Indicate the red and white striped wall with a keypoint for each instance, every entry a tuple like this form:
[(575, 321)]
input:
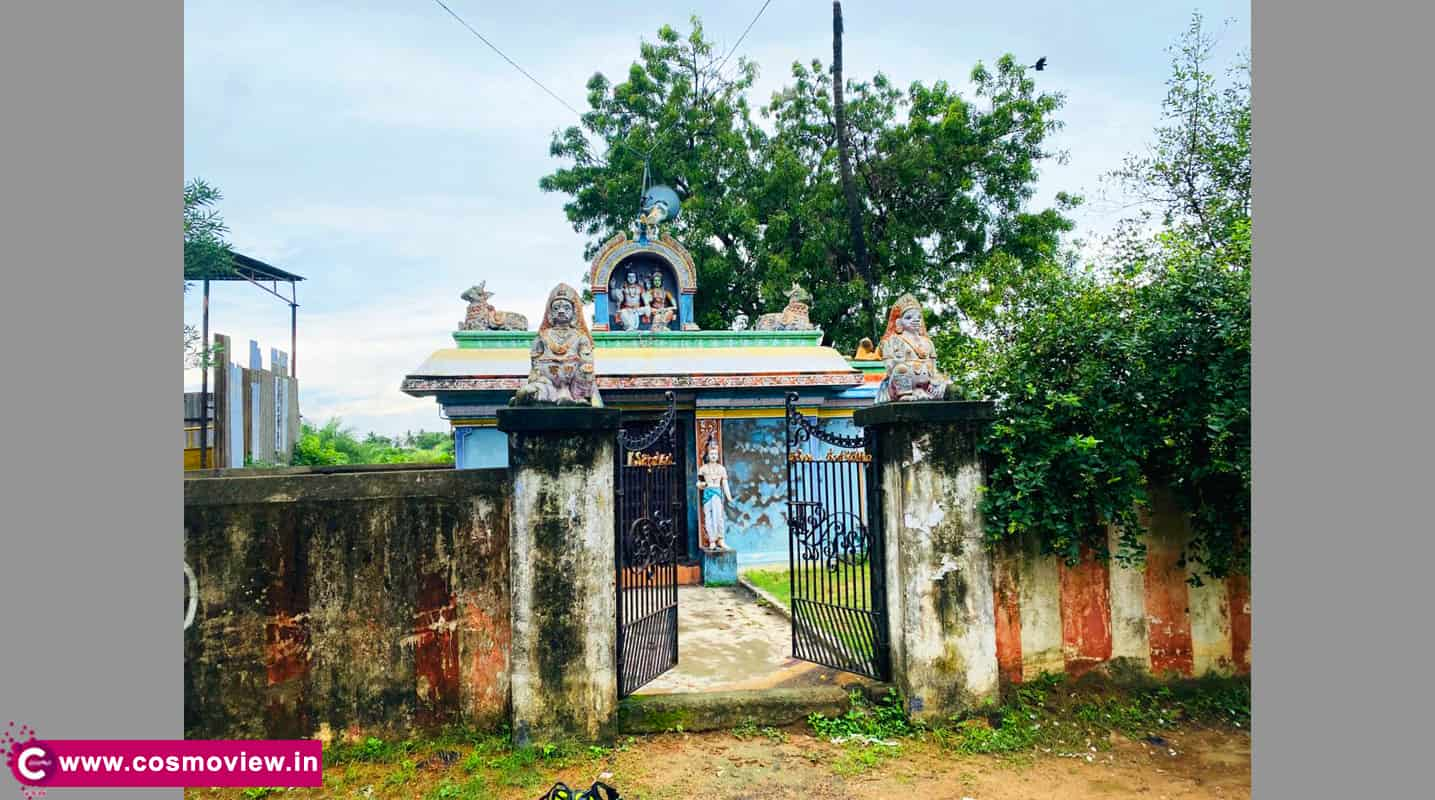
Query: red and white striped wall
[(1054, 618)]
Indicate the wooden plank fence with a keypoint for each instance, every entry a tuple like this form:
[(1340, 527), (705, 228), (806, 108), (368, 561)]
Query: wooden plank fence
[(256, 410)]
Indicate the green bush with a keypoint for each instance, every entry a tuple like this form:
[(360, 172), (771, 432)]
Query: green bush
[(333, 444)]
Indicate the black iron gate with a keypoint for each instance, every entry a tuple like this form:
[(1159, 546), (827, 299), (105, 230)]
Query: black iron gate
[(650, 527), (835, 549)]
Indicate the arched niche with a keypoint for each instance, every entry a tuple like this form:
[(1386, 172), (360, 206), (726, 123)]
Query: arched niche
[(642, 295), (661, 256)]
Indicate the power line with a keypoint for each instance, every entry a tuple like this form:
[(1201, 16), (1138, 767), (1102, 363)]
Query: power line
[(495, 49), (743, 36)]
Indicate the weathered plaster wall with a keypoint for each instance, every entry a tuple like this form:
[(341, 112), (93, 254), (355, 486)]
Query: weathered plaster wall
[(755, 454), (563, 585), (941, 590), (1127, 621), (334, 604)]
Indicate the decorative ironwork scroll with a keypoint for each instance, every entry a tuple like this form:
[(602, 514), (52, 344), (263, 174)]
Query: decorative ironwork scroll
[(836, 552), (650, 526)]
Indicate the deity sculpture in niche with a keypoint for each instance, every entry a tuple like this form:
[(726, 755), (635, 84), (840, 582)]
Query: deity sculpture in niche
[(910, 356), (630, 303), (640, 297), (715, 494), (662, 308), (484, 317), (793, 317), (562, 356)]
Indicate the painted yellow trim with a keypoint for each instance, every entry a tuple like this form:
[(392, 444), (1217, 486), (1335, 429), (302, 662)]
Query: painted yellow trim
[(651, 407), (476, 422), (770, 413)]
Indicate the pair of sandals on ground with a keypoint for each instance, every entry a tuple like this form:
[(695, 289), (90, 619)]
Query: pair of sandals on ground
[(598, 791)]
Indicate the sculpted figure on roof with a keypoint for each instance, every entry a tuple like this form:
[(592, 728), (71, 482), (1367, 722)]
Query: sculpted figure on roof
[(482, 316), (910, 356), (562, 356), (793, 317)]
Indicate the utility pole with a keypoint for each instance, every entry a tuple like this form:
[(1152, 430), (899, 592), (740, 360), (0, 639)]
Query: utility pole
[(844, 160), (204, 379)]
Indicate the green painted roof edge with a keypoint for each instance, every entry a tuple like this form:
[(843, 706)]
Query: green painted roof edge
[(521, 340)]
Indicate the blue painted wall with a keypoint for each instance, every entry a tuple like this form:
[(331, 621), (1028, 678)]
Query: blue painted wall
[(480, 448), (754, 451)]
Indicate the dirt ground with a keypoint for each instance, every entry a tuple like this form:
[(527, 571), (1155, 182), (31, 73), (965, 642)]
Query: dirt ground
[(773, 765), (1207, 764)]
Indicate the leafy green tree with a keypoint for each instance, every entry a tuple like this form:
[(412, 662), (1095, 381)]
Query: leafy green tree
[(681, 121), (1196, 176), (333, 443), (206, 252), (1136, 372), (944, 183)]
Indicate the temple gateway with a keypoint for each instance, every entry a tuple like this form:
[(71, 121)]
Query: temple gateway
[(729, 387)]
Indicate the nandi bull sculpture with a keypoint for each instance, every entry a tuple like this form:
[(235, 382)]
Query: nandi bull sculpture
[(482, 316)]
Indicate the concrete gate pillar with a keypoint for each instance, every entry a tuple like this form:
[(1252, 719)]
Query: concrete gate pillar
[(939, 573), (563, 552)]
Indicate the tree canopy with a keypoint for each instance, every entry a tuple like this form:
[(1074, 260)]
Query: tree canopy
[(206, 253), (1134, 372), (944, 182)]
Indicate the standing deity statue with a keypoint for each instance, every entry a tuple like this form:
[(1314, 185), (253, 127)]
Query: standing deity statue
[(631, 303), (910, 356), (562, 356), (661, 305), (713, 489)]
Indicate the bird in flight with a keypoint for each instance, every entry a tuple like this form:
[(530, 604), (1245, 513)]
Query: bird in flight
[(1040, 64)]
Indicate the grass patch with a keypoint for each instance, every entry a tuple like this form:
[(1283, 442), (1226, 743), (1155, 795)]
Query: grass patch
[(856, 759), (475, 788), (848, 585), (1048, 715), (1044, 715), (884, 720), (773, 581)]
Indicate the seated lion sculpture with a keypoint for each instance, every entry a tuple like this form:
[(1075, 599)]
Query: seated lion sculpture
[(482, 316)]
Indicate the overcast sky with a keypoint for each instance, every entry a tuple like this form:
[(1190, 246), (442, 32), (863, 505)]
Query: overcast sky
[(391, 158)]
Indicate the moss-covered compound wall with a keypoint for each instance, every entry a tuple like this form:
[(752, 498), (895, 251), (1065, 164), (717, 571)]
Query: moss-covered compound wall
[(347, 603)]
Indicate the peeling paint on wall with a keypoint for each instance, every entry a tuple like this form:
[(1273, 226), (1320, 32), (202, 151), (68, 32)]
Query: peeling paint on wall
[(1085, 614), (1055, 618), (351, 610)]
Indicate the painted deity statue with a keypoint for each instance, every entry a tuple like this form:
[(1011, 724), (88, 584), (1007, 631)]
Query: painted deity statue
[(661, 304), (631, 302), (713, 489), (910, 356), (562, 356)]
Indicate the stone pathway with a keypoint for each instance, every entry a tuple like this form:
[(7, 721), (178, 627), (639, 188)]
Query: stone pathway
[(728, 641)]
